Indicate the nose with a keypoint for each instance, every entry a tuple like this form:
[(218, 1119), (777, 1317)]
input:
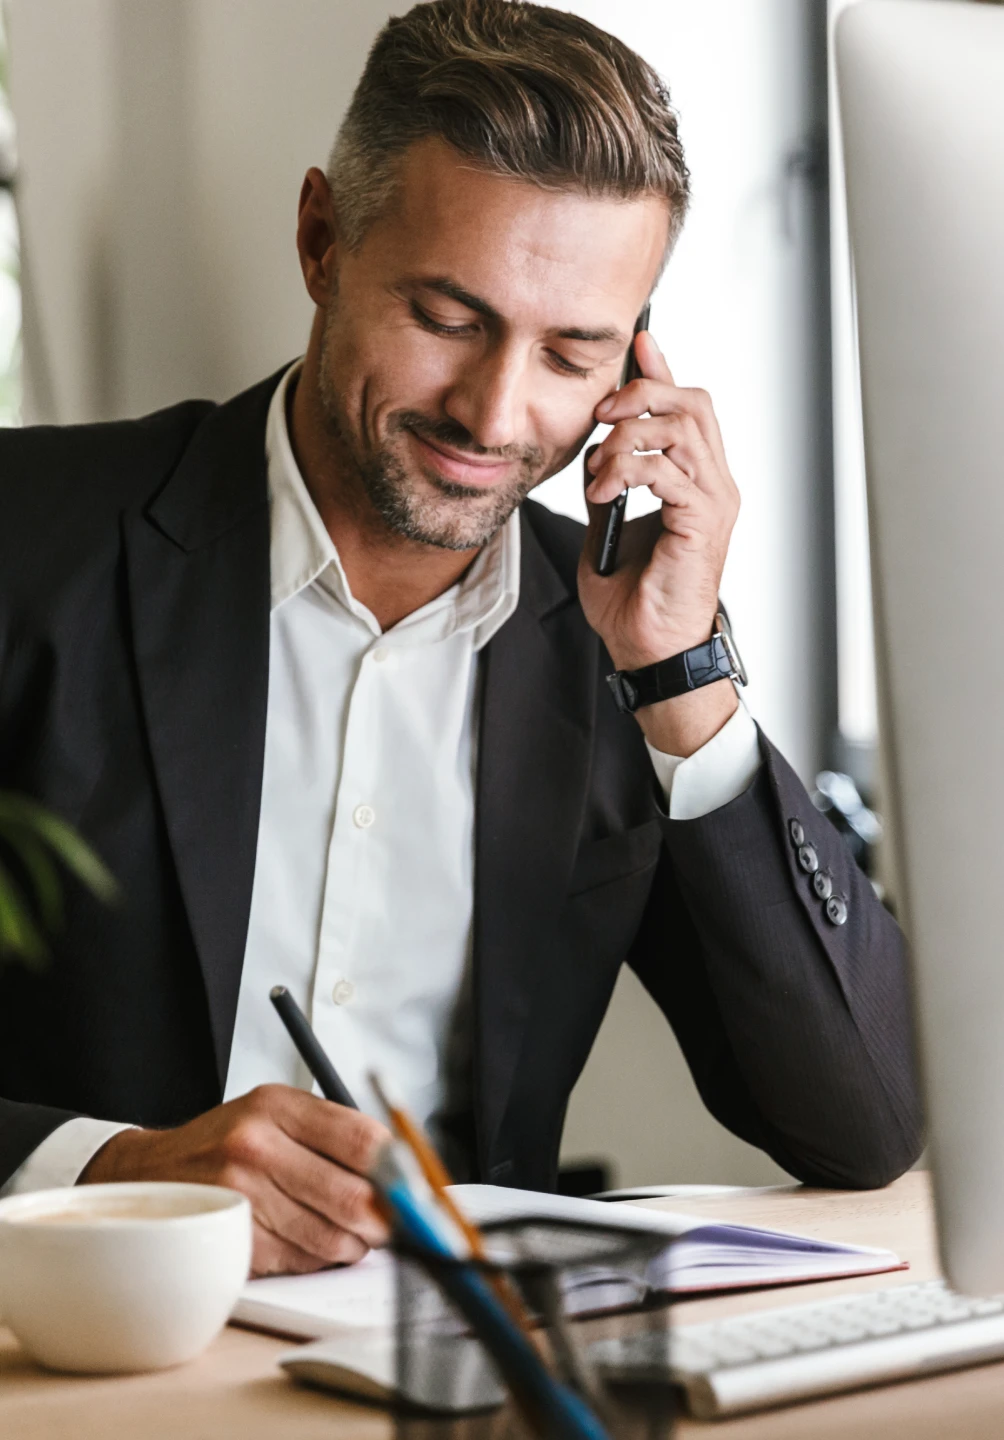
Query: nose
[(489, 398)]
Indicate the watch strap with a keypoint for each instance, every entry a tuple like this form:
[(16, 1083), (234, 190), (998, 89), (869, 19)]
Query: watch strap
[(703, 664)]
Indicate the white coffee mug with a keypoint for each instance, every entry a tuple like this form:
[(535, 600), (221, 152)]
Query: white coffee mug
[(121, 1277)]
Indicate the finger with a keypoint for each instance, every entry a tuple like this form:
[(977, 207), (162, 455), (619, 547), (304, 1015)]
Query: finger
[(310, 1232), (659, 433), (298, 1225), (646, 396), (655, 397), (701, 407), (272, 1255), (319, 1152), (651, 361), (658, 399), (340, 1199), (346, 1136), (305, 1197), (666, 480)]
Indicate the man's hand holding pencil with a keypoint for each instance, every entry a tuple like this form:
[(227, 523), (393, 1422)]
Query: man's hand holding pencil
[(300, 1160)]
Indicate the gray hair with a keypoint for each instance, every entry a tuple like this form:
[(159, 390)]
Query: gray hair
[(520, 90)]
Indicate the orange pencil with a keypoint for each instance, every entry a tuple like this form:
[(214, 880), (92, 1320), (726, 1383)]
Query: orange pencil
[(439, 1178)]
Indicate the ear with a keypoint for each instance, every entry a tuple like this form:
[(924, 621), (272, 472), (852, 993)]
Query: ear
[(317, 237)]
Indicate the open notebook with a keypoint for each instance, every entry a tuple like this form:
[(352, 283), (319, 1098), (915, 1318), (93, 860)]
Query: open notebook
[(704, 1257)]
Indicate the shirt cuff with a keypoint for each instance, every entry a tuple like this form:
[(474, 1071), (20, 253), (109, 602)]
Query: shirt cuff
[(62, 1156), (717, 773)]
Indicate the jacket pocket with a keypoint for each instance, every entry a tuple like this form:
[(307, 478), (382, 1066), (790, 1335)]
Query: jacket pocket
[(615, 856)]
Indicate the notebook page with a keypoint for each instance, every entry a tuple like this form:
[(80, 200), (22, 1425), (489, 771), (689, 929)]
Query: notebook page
[(703, 1257), (352, 1297)]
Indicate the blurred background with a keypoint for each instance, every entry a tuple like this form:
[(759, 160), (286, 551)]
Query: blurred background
[(155, 150)]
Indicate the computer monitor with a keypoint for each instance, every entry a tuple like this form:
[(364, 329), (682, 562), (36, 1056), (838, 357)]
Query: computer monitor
[(921, 87)]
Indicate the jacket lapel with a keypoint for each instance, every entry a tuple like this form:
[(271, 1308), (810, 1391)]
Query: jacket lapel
[(539, 684), (198, 576)]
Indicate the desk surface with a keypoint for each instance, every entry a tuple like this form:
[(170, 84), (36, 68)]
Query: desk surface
[(235, 1392)]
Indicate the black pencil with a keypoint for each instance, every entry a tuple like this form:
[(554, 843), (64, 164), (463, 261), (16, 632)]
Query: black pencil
[(309, 1047)]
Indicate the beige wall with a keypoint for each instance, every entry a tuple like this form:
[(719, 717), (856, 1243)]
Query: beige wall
[(162, 150), (163, 146), (637, 1104)]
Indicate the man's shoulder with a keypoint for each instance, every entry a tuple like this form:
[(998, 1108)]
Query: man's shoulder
[(559, 537), (89, 465), (64, 489)]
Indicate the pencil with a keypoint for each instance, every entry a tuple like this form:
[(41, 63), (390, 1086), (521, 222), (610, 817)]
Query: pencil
[(438, 1178), (431, 1166), (553, 1410), (309, 1048)]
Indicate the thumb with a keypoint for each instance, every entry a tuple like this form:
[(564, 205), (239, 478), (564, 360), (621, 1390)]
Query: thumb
[(651, 361)]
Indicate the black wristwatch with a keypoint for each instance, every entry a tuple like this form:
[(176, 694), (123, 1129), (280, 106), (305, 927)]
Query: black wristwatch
[(716, 659)]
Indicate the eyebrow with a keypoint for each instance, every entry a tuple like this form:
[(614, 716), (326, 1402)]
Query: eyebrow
[(608, 334)]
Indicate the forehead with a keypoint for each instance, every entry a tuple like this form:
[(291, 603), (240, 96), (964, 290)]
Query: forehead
[(515, 243)]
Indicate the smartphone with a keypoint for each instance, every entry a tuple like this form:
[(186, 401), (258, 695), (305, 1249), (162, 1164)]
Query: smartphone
[(615, 515)]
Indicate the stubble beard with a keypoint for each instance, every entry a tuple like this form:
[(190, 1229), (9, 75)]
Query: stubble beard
[(453, 517)]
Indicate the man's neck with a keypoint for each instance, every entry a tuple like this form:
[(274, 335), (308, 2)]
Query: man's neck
[(392, 576)]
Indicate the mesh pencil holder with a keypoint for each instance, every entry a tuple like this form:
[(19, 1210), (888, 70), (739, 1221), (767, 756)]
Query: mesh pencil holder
[(570, 1286)]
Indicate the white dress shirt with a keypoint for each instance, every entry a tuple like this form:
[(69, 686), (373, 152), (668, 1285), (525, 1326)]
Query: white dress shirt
[(363, 886), (364, 876)]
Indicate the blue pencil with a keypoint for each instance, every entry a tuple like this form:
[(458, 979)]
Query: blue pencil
[(562, 1414)]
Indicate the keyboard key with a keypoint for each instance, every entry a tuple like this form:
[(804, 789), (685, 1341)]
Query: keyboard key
[(814, 1349)]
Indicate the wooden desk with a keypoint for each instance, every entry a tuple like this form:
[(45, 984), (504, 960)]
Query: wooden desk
[(235, 1392)]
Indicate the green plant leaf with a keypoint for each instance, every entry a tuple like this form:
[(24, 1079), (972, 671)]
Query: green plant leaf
[(44, 879), (18, 813), (19, 935)]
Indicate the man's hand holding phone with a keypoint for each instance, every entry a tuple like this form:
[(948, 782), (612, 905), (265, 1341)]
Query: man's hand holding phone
[(663, 596)]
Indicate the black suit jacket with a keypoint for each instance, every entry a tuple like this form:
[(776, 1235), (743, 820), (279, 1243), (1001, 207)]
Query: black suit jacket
[(134, 623)]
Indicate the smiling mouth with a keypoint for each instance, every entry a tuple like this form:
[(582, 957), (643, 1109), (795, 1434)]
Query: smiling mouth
[(478, 472)]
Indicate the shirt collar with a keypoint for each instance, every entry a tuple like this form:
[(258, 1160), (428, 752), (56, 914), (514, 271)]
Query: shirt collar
[(302, 553)]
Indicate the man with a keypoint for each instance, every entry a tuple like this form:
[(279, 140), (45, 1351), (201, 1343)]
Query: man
[(330, 698)]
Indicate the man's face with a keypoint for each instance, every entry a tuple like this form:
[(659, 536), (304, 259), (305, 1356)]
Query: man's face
[(471, 336)]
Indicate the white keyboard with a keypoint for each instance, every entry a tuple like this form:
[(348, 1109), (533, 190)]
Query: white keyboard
[(775, 1357)]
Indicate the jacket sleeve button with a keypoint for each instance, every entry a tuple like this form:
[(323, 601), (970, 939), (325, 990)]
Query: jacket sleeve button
[(797, 833), (836, 910), (822, 883), (808, 859)]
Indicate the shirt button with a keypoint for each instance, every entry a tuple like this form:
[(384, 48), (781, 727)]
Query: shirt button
[(380, 654), (822, 883), (808, 859), (342, 992), (836, 910), (797, 833), (364, 815)]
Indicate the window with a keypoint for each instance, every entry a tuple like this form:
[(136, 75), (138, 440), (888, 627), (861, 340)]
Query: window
[(856, 652), (10, 290)]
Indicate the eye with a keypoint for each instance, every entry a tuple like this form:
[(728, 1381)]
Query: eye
[(567, 368), (427, 323)]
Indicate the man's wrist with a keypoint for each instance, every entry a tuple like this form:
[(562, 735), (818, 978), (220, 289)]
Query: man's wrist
[(683, 724), (638, 657), (713, 776), (117, 1159)]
